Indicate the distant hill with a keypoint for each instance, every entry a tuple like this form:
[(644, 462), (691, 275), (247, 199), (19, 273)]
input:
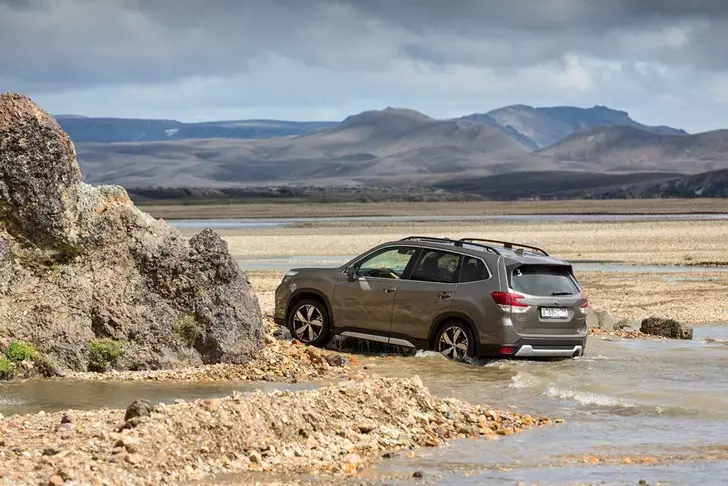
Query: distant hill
[(707, 184), (546, 126), (107, 130), (552, 184), (629, 148), (396, 144)]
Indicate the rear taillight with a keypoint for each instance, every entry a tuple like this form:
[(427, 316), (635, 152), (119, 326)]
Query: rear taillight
[(585, 304), (507, 350), (508, 300)]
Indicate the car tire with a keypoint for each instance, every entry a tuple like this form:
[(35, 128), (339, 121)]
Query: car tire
[(308, 322), (455, 341)]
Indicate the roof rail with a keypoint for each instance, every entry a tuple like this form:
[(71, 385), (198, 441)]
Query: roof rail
[(450, 240), (506, 244)]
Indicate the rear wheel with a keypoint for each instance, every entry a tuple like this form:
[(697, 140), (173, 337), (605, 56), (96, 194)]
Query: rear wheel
[(455, 341), (308, 322)]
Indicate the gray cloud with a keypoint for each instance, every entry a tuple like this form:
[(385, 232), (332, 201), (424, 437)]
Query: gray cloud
[(195, 58)]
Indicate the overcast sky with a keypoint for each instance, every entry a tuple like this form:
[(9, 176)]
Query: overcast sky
[(664, 61)]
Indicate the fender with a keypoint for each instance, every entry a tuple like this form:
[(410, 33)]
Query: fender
[(298, 293), (452, 315)]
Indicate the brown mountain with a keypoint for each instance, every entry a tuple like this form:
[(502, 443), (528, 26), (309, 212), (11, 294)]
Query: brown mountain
[(392, 143), (620, 148)]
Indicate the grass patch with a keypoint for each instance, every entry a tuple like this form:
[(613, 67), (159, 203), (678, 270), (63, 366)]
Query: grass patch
[(19, 350), (103, 353), (187, 329), (7, 368)]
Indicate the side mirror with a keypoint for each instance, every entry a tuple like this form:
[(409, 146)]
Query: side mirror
[(350, 273)]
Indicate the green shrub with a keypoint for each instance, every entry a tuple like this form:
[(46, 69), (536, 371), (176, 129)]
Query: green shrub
[(20, 351), (45, 366), (187, 329), (103, 353), (7, 368)]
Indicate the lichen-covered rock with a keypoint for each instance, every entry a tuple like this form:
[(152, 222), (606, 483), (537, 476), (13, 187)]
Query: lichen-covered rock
[(669, 328), (79, 263)]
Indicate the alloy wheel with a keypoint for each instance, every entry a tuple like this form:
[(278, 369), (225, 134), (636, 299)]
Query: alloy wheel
[(453, 343), (308, 323)]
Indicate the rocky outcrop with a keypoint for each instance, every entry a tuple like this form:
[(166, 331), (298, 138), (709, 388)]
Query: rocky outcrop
[(78, 263), (658, 326), (599, 319)]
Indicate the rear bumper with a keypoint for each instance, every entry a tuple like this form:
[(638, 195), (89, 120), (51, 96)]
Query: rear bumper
[(528, 351), (537, 348)]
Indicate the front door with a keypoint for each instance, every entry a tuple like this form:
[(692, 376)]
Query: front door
[(427, 294), (365, 304)]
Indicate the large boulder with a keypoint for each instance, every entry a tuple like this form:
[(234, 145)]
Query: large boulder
[(79, 263), (658, 326)]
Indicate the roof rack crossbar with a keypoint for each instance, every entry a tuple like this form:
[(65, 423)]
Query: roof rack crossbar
[(506, 244), (450, 240)]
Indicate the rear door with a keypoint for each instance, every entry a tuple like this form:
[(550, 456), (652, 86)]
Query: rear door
[(553, 297), (426, 294)]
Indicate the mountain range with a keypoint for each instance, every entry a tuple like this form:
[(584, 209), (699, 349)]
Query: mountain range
[(394, 146)]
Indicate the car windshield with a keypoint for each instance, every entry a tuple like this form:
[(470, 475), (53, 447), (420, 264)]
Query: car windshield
[(543, 280)]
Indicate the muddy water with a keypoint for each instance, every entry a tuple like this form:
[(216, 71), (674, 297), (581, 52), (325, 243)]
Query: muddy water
[(663, 402), (52, 395)]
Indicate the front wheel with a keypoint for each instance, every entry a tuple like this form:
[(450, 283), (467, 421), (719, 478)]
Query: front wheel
[(308, 322), (455, 341)]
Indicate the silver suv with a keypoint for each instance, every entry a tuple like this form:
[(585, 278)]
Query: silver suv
[(464, 298)]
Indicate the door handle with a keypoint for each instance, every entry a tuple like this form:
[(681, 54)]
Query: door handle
[(390, 289), (445, 295)]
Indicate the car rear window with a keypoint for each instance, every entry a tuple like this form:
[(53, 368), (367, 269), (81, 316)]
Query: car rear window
[(543, 280)]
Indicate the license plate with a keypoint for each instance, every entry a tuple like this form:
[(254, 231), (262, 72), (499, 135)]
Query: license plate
[(554, 312)]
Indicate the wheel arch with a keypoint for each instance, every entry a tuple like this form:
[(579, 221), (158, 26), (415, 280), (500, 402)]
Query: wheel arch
[(310, 293), (442, 319)]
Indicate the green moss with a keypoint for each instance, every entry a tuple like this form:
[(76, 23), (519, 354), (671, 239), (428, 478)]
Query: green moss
[(103, 353), (187, 329), (7, 368), (19, 350)]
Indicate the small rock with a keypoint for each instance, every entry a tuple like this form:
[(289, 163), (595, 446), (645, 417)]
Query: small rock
[(627, 324), (50, 451), (133, 458), (65, 419), (388, 455), (140, 408), (366, 426), (337, 360), (211, 405), (669, 328), (255, 458), (55, 480), (126, 441), (418, 474)]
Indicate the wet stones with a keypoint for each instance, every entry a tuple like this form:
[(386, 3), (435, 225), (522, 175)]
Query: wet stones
[(669, 328)]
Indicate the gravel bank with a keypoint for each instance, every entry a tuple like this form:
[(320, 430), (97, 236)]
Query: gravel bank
[(279, 360), (335, 429)]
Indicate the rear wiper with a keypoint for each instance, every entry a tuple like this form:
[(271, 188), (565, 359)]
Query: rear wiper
[(561, 293)]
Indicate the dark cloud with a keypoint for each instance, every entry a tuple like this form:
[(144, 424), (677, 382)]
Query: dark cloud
[(330, 55)]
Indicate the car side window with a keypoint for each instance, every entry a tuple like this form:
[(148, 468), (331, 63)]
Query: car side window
[(473, 270), (390, 263), (436, 266)]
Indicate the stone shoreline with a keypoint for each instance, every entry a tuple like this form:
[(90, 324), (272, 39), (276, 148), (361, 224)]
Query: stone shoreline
[(335, 429)]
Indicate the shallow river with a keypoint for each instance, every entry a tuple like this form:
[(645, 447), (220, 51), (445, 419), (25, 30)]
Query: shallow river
[(664, 402), (250, 223)]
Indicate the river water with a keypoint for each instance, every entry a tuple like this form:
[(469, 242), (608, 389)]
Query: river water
[(661, 402), (251, 223)]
